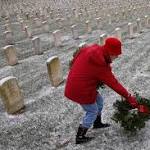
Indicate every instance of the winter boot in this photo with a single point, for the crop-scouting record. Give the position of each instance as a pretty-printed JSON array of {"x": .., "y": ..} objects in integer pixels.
[
  {"x": 80, "y": 137},
  {"x": 98, "y": 123}
]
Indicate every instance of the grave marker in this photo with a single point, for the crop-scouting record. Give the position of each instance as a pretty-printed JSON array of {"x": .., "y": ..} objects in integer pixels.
[
  {"x": 11, "y": 94},
  {"x": 118, "y": 33},
  {"x": 45, "y": 26},
  {"x": 109, "y": 19},
  {"x": 28, "y": 32},
  {"x": 74, "y": 31},
  {"x": 139, "y": 25},
  {"x": 55, "y": 71},
  {"x": 146, "y": 23},
  {"x": 8, "y": 37},
  {"x": 102, "y": 39},
  {"x": 36, "y": 45},
  {"x": 98, "y": 22},
  {"x": 130, "y": 30},
  {"x": 57, "y": 38},
  {"x": 11, "y": 55},
  {"x": 7, "y": 27},
  {"x": 88, "y": 27}
]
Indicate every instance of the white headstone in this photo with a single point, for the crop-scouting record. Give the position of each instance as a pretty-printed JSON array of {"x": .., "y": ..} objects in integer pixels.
[
  {"x": 98, "y": 22},
  {"x": 36, "y": 45},
  {"x": 118, "y": 33},
  {"x": 22, "y": 25},
  {"x": 57, "y": 38},
  {"x": 139, "y": 25},
  {"x": 55, "y": 71},
  {"x": 83, "y": 44},
  {"x": 28, "y": 32},
  {"x": 11, "y": 94},
  {"x": 147, "y": 19},
  {"x": 88, "y": 27},
  {"x": 37, "y": 22},
  {"x": 109, "y": 19},
  {"x": 27, "y": 16},
  {"x": 11, "y": 55},
  {"x": 74, "y": 31},
  {"x": 130, "y": 30},
  {"x": 45, "y": 26},
  {"x": 116, "y": 17},
  {"x": 123, "y": 14},
  {"x": 51, "y": 15},
  {"x": 102, "y": 38},
  {"x": 8, "y": 37},
  {"x": 7, "y": 27}
]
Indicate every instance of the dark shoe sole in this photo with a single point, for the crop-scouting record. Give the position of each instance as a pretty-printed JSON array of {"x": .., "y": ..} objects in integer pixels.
[
  {"x": 99, "y": 127},
  {"x": 82, "y": 141}
]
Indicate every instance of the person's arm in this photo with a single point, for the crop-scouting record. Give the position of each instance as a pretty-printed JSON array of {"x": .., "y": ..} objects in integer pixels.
[{"x": 108, "y": 78}]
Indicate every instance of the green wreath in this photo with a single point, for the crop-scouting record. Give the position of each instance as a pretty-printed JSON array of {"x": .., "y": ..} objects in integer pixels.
[{"x": 131, "y": 119}]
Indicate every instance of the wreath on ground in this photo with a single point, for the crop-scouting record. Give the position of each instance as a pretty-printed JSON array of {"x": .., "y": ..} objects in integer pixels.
[{"x": 131, "y": 119}]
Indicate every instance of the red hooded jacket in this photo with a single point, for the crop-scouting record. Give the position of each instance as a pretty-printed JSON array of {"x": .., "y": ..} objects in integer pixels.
[{"x": 91, "y": 66}]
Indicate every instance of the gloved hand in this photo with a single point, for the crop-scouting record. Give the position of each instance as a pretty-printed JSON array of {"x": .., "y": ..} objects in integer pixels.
[
  {"x": 143, "y": 109},
  {"x": 132, "y": 101}
]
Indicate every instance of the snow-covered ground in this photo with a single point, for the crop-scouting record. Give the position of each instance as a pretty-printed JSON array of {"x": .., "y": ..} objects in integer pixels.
[{"x": 50, "y": 120}]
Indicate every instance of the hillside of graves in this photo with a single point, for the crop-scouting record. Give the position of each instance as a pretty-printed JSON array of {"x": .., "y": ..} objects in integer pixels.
[{"x": 37, "y": 41}]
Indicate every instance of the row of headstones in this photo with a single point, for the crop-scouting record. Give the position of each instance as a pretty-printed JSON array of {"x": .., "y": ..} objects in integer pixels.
[
  {"x": 10, "y": 50},
  {"x": 89, "y": 4},
  {"x": 74, "y": 29},
  {"x": 42, "y": 21},
  {"x": 75, "y": 16},
  {"x": 28, "y": 5},
  {"x": 25, "y": 30},
  {"x": 87, "y": 12},
  {"x": 10, "y": 90},
  {"x": 78, "y": 14},
  {"x": 45, "y": 26}
]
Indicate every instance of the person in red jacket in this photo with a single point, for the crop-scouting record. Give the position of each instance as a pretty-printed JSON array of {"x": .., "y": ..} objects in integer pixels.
[{"x": 91, "y": 67}]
